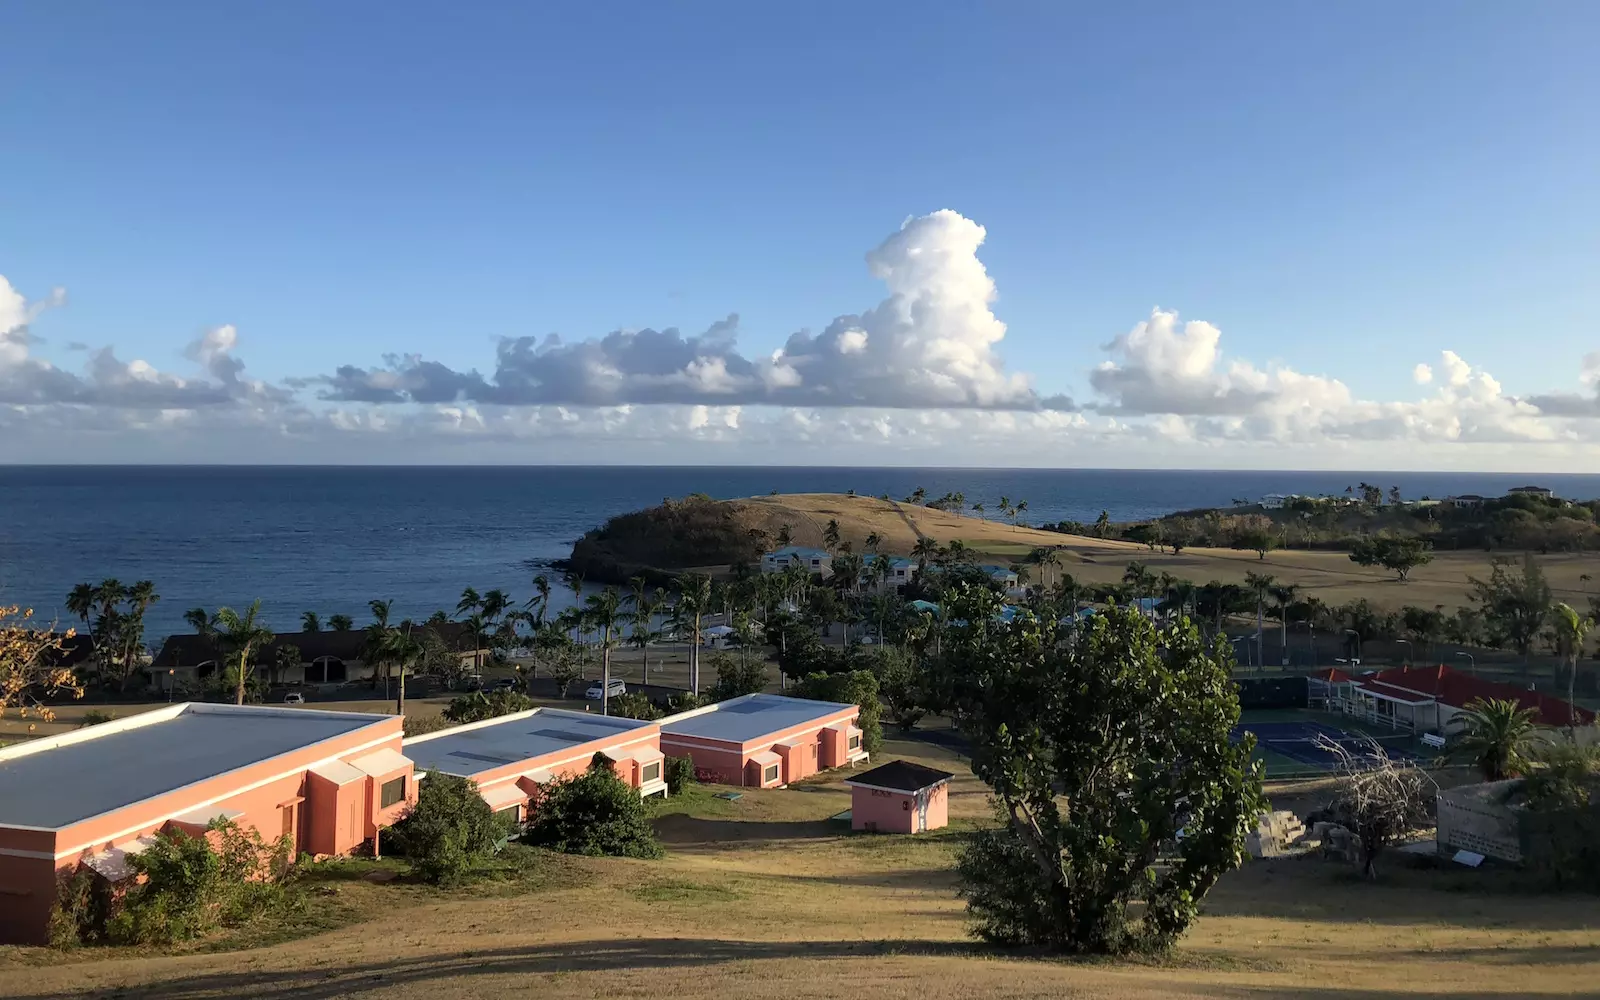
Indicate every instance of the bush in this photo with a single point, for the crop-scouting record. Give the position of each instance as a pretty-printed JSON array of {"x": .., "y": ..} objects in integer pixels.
[
  {"x": 419, "y": 725},
  {"x": 635, "y": 705},
  {"x": 596, "y": 814},
  {"x": 683, "y": 701},
  {"x": 478, "y": 706},
  {"x": 449, "y": 832},
  {"x": 858, "y": 687},
  {"x": 82, "y": 909},
  {"x": 188, "y": 887},
  {"x": 735, "y": 679},
  {"x": 95, "y": 717},
  {"x": 679, "y": 773}
]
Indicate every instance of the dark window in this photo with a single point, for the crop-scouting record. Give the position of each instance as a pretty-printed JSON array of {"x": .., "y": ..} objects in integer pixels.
[
  {"x": 855, "y": 741},
  {"x": 770, "y": 774},
  {"x": 513, "y": 813},
  {"x": 652, "y": 772},
  {"x": 392, "y": 792}
]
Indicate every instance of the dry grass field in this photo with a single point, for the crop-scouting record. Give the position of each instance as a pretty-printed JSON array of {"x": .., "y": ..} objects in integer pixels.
[
  {"x": 765, "y": 898},
  {"x": 1330, "y": 576}
]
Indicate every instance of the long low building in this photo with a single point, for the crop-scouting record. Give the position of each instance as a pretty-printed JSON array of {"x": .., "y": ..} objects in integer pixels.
[
  {"x": 765, "y": 740},
  {"x": 510, "y": 756},
  {"x": 328, "y": 780}
]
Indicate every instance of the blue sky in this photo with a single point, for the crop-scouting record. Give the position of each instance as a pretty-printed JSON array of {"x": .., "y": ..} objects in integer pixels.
[{"x": 1344, "y": 191}]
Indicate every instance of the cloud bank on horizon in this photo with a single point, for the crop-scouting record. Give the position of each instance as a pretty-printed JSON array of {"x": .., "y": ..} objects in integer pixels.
[{"x": 917, "y": 376}]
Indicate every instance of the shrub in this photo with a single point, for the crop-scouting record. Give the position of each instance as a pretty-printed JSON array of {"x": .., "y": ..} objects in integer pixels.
[
  {"x": 478, "y": 706},
  {"x": 635, "y": 705},
  {"x": 683, "y": 701},
  {"x": 858, "y": 687},
  {"x": 679, "y": 774},
  {"x": 735, "y": 678},
  {"x": 95, "y": 717},
  {"x": 449, "y": 832},
  {"x": 189, "y": 887},
  {"x": 81, "y": 910},
  {"x": 418, "y": 725},
  {"x": 596, "y": 814}
]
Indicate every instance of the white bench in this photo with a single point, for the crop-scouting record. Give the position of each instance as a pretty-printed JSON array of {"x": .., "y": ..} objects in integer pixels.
[{"x": 1433, "y": 740}]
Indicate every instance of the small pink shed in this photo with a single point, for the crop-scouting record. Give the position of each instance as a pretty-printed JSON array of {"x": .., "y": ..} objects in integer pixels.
[{"x": 900, "y": 797}]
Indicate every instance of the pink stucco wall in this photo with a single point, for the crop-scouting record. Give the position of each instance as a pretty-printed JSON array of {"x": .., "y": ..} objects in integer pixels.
[
  {"x": 885, "y": 811},
  {"x": 275, "y": 796}
]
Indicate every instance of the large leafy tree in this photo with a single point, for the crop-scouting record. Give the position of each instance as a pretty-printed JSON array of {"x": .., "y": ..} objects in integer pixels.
[
  {"x": 1514, "y": 602},
  {"x": 1101, "y": 752},
  {"x": 114, "y": 613}
]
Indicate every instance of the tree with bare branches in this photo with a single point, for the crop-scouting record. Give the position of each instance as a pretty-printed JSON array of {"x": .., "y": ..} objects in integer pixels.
[{"x": 1377, "y": 798}]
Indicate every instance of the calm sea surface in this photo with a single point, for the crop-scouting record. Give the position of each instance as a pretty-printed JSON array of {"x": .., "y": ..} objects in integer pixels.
[{"x": 332, "y": 539}]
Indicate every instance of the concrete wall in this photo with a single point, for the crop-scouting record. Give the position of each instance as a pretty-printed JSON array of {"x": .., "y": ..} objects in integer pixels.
[{"x": 1472, "y": 818}]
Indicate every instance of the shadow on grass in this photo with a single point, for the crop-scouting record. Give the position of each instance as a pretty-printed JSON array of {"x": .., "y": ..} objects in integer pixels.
[
  {"x": 586, "y": 956},
  {"x": 679, "y": 829}
]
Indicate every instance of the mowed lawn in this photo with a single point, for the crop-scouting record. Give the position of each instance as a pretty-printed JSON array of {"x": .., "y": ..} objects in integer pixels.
[{"x": 767, "y": 898}]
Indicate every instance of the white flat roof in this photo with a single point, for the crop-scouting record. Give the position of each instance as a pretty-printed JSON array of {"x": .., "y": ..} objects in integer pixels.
[
  {"x": 483, "y": 746},
  {"x": 747, "y": 718},
  {"x": 57, "y": 781}
]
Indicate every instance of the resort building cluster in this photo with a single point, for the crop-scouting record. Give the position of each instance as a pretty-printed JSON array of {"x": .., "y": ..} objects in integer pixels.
[{"x": 332, "y": 781}]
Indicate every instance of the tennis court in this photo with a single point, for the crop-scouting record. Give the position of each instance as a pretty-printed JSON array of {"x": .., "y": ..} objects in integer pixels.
[{"x": 1301, "y": 741}]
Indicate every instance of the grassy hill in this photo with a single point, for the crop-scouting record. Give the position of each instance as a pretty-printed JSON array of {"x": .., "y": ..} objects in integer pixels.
[{"x": 708, "y": 535}]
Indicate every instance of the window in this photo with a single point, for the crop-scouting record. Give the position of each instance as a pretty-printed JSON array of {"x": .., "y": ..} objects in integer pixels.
[
  {"x": 855, "y": 741},
  {"x": 652, "y": 772},
  {"x": 392, "y": 792},
  {"x": 770, "y": 774},
  {"x": 512, "y": 813}
]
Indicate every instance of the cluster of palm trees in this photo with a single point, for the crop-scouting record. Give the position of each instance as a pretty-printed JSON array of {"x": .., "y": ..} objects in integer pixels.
[{"x": 114, "y": 614}]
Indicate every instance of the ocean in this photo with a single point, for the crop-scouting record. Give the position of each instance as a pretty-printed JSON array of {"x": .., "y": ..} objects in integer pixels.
[{"x": 332, "y": 539}]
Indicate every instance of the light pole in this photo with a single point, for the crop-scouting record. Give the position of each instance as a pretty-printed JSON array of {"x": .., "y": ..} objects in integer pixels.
[
  {"x": 1472, "y": 663},
  {"x": 1311, "y": 639},
  {"x": 1356, "y": 659},
  {"x": 1410, "y": 652}
]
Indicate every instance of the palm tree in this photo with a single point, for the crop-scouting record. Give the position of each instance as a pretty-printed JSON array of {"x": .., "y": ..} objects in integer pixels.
[
  {"x": 242, "y": 635},
  {"x": 200, "y": 620},
  {"x": 694, "y": 601},
  {"x": 977, "y": 508},
  {"x": 470, "y": 602},
  {"x": 310, "y": 622},
  {"x": 82, "y": 601},
  {"x": 1284, "y": 594},
  {"x": 380, "y": 612},
  {"x": 873, "y": 541},
  {"x": 539, "y": 603},
  {"x": 925, "y": 549},
  {"x": 1259, "y": 584},
  {"x": 403, "y": 649},
  {"x": 341, "y": 623},
  {"x": 1005, "y": 506},
  {"x": 830, "y": 535},
  {"x": 492, "y": 607},
  {"x": 1018, "y": 510},
  {"x": 1500, "y": 734},
  {"x": 881, "y": 571},
  {"x": 785, "y": 536},
  {"x": 1102, "y": 525},
  {"x": 643, "y": 616},
  {"x": 1570, "y": 628},
  {"x": 603, "y": 610}
]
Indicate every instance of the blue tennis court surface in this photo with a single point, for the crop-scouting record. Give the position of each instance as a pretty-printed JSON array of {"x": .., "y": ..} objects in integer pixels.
[{"x": 1301, "y": 742}]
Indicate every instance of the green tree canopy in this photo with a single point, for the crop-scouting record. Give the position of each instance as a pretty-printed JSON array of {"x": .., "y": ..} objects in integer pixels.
[
  {"x": 1101, "y": 752},
  {"x": 1398, "y": 553},
  {"x": 596, "y": 814}
]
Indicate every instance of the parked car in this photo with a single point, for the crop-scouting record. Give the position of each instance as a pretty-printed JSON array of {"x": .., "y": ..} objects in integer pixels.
[
  {"x": 505, "y": 684},
  {"x": 596, "y": 692},
  {"x": 294, "y": 698}
]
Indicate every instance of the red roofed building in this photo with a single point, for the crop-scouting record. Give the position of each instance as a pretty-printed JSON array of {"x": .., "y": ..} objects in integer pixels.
[{"x": 1429, "y": 698}]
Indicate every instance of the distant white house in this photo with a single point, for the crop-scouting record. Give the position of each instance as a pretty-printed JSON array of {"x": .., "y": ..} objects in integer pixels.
[
  {"x": 816, "y": 561},
  {"x": 900, "y": 572},
  {"x": 1003, "y": 575},
  {"x": 1277, "y": 501}
]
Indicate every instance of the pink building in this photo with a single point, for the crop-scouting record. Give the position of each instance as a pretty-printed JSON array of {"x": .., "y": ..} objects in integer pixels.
[
  {"x": 765, "y": 740},
  {"x": 510, "y": 756},
  {"x": 328, "y": 780},
  {"x": 900, "y": 797}
]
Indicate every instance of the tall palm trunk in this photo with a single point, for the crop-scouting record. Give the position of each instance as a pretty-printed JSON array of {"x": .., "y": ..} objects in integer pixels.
[
  {"x": 244, "y": 657},
  {"x": 400, "y": 702},
  {"x": 605, "y": 669}
]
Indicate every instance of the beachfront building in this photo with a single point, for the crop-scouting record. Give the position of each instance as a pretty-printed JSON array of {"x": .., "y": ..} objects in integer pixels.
[
  {"x": 510, "y": 757},
  {"x": 900, "y": 797},
  {"x": 900, "y": 570},
  {"x": 325, "y": 657},
  {"x": 326, "y": 780},
  {"x": 817, "y": 562},
  {"x": 1432, "y": 699},
  {"x": 765, "y": 740},
  {"x": 1539, "y": 492}
]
